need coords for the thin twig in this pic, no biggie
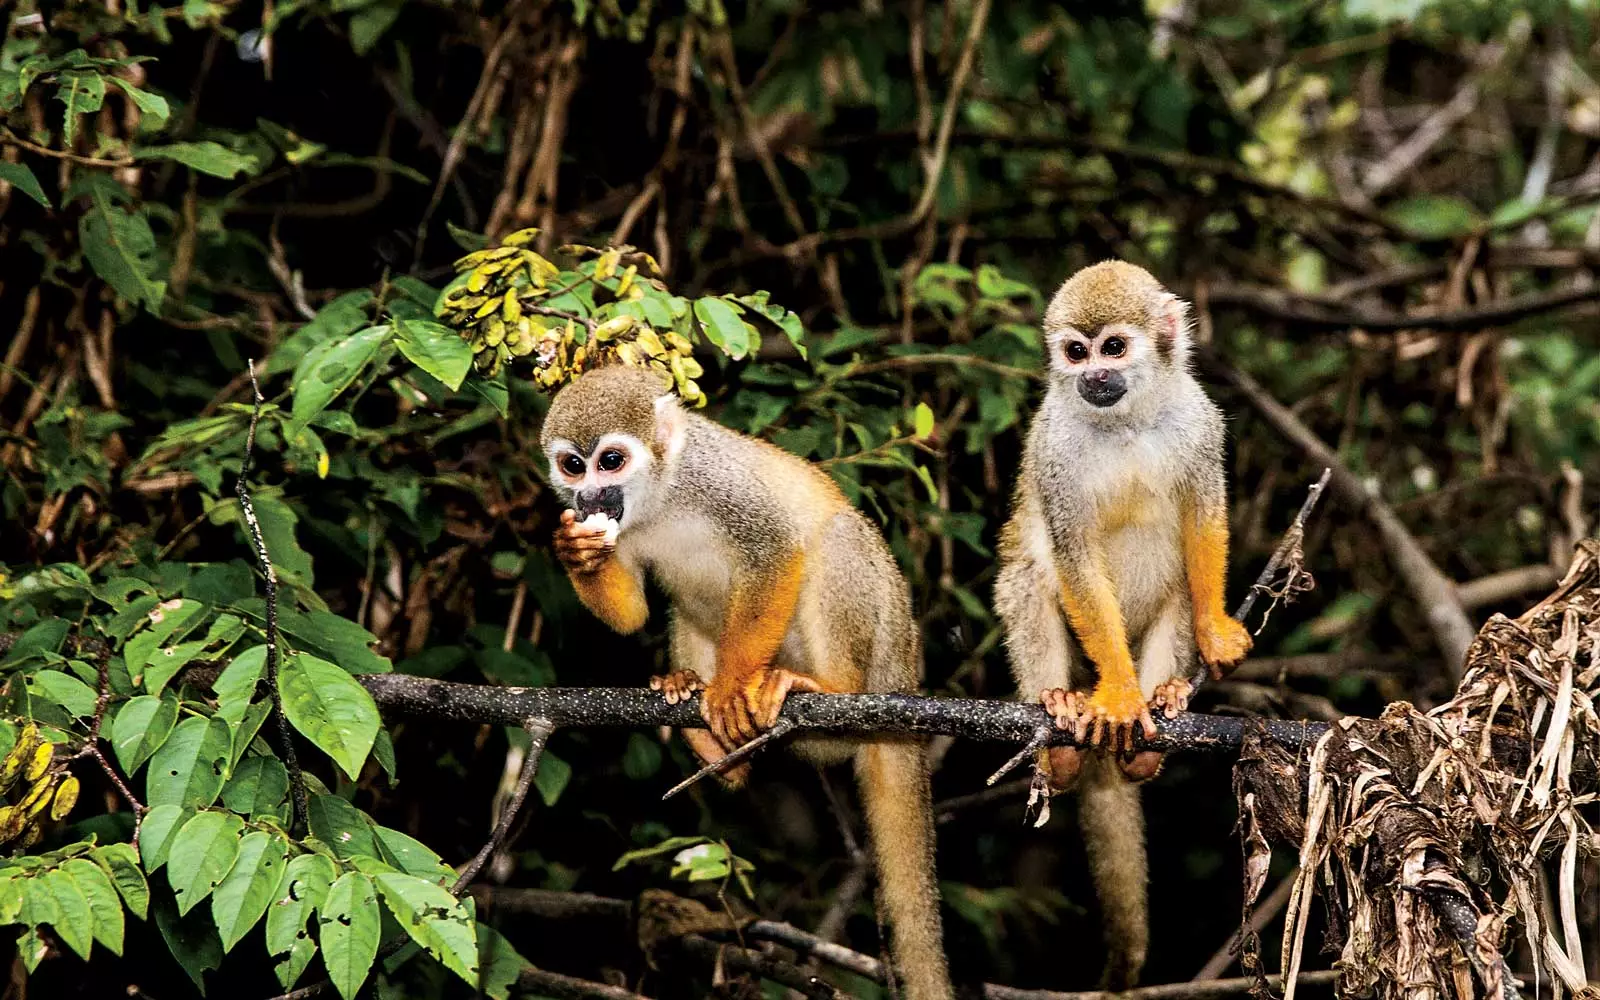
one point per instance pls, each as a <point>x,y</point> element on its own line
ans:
<point>1291,540</point>
<point>538,731</point>
<point>783,728</point>
<point>291,760</point>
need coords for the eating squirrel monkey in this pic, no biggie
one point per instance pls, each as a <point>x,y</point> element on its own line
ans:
<point>1116,553</point>
<point>775,583</point>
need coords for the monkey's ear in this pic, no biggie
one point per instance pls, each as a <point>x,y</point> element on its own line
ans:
<point>1173,323</point>
<point>669,426</point>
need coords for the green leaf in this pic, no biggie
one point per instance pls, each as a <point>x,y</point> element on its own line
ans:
<point>328,370</point>
<point>192,941</point>
<point>83,93</point>
<point>202,853</point>
<point>922,419</point>
<point>121,248</point>
<point>160,826</point>
<point>207,157</point>
<point>302,886</point>
<point>435,920</point>
<point>258,789</point>
<point>75,924</point>
<point>723,327</point>
<point>191,765</point>
<point>105,910</point>
<point>121,863</point>
<point>642,758</point>
<point>994,285</point>
<point>493,391</point>
<point>63,689</point>
<point>150,105</point>
<point>167,619</point>
<point>294,964</point>
<point>331,709</point>
<point>500,962</point>
<point>243,896</point>
<point>436,349</point>
<point>552,777</point>
<point>411,856</point>
<point>140,728</point>
<point>20,177</point>
<point>368,25</point>
<point>343,827</point>
<point>1436,216</point>
<point>235,687</point>
<point>348,925</point>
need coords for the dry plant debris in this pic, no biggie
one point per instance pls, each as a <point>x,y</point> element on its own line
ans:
<point>1428,835</point>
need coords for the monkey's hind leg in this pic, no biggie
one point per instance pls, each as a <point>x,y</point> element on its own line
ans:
<point>1163,653</point>
<point>693,661</point>
<point>893,777</point>
<point>1042,654</point>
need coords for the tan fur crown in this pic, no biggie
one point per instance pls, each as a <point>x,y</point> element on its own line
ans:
<point>615,398</point>
<point>1112,291</point>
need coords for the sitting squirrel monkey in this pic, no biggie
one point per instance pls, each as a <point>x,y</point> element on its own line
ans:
<point>1116,552</point>
<point>776,584</point>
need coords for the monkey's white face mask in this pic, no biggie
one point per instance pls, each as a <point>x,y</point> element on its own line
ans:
<point>609,481</point>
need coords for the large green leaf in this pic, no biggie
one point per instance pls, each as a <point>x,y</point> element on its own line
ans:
<point>120,246</point>
<point>20,177</point>
<point>235,687</point>
<point>191,765</point>
<point>436,349</point>
<point>203,852</point>
<point>302,886</point>
<point>501,964</point>
<point>243,896</point>
<point>348,924</point>
<point>1436,216</point>
<point>83,93</point>
<point>343,827</point>
<point>723,326</point>
<point>105,910</point>
<point>207,157</point>
<point>331,709</point>
<point>258,788</point>
<point>192,941</point>
<point>75,925</point>
<point>120,862</point>
<point>63,689</point>
<point>140,728</point>
<point>160,826</point>
<point>153,106</point>
<point>328,369</point>
<point>435,919</point>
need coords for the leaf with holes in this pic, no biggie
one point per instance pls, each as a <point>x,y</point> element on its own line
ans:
<point>83,93</point>
<point>120,245</point>
<point>348,922</point>
<point>120,862</point>
<point>435,919</point>
<point>302,886</point>
<point>191,766</point>
<point>331,709</point>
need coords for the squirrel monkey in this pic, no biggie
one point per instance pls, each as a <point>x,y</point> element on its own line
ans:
<point>1116,552</point>
<point>776,584</point>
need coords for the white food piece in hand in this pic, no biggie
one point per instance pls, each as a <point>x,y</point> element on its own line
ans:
<point>601,521</point>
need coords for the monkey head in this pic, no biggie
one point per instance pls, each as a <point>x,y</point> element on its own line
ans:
<point>610,436</point>
<point>1115,338</point>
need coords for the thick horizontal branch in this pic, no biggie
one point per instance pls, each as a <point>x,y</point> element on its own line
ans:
<point>984,720</point>
<point>1306,311</point>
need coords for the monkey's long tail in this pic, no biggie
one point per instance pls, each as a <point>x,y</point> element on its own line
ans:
<point>895,792</point>
<point>1112,821</point>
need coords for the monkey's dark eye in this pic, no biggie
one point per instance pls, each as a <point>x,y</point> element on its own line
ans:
<point>1077,351</point>
<point>572,465</point>
<point>1113,347</point>
<point>611,460</point>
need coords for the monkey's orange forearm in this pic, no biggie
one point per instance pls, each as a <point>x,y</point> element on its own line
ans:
<point>757,620</point>
<point>614,596</point>
<point>1205,558</point>
<point>1096,619</point>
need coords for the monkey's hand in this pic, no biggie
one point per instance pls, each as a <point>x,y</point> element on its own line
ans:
<point>677,686</point>
<point>581,550</point>
<point>1172,697</point>
<point>1223,642</point>
<point>738,706</point>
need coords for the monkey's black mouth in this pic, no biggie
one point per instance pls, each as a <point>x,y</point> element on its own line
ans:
<point>606,500</point>
<point>1102,388</point>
